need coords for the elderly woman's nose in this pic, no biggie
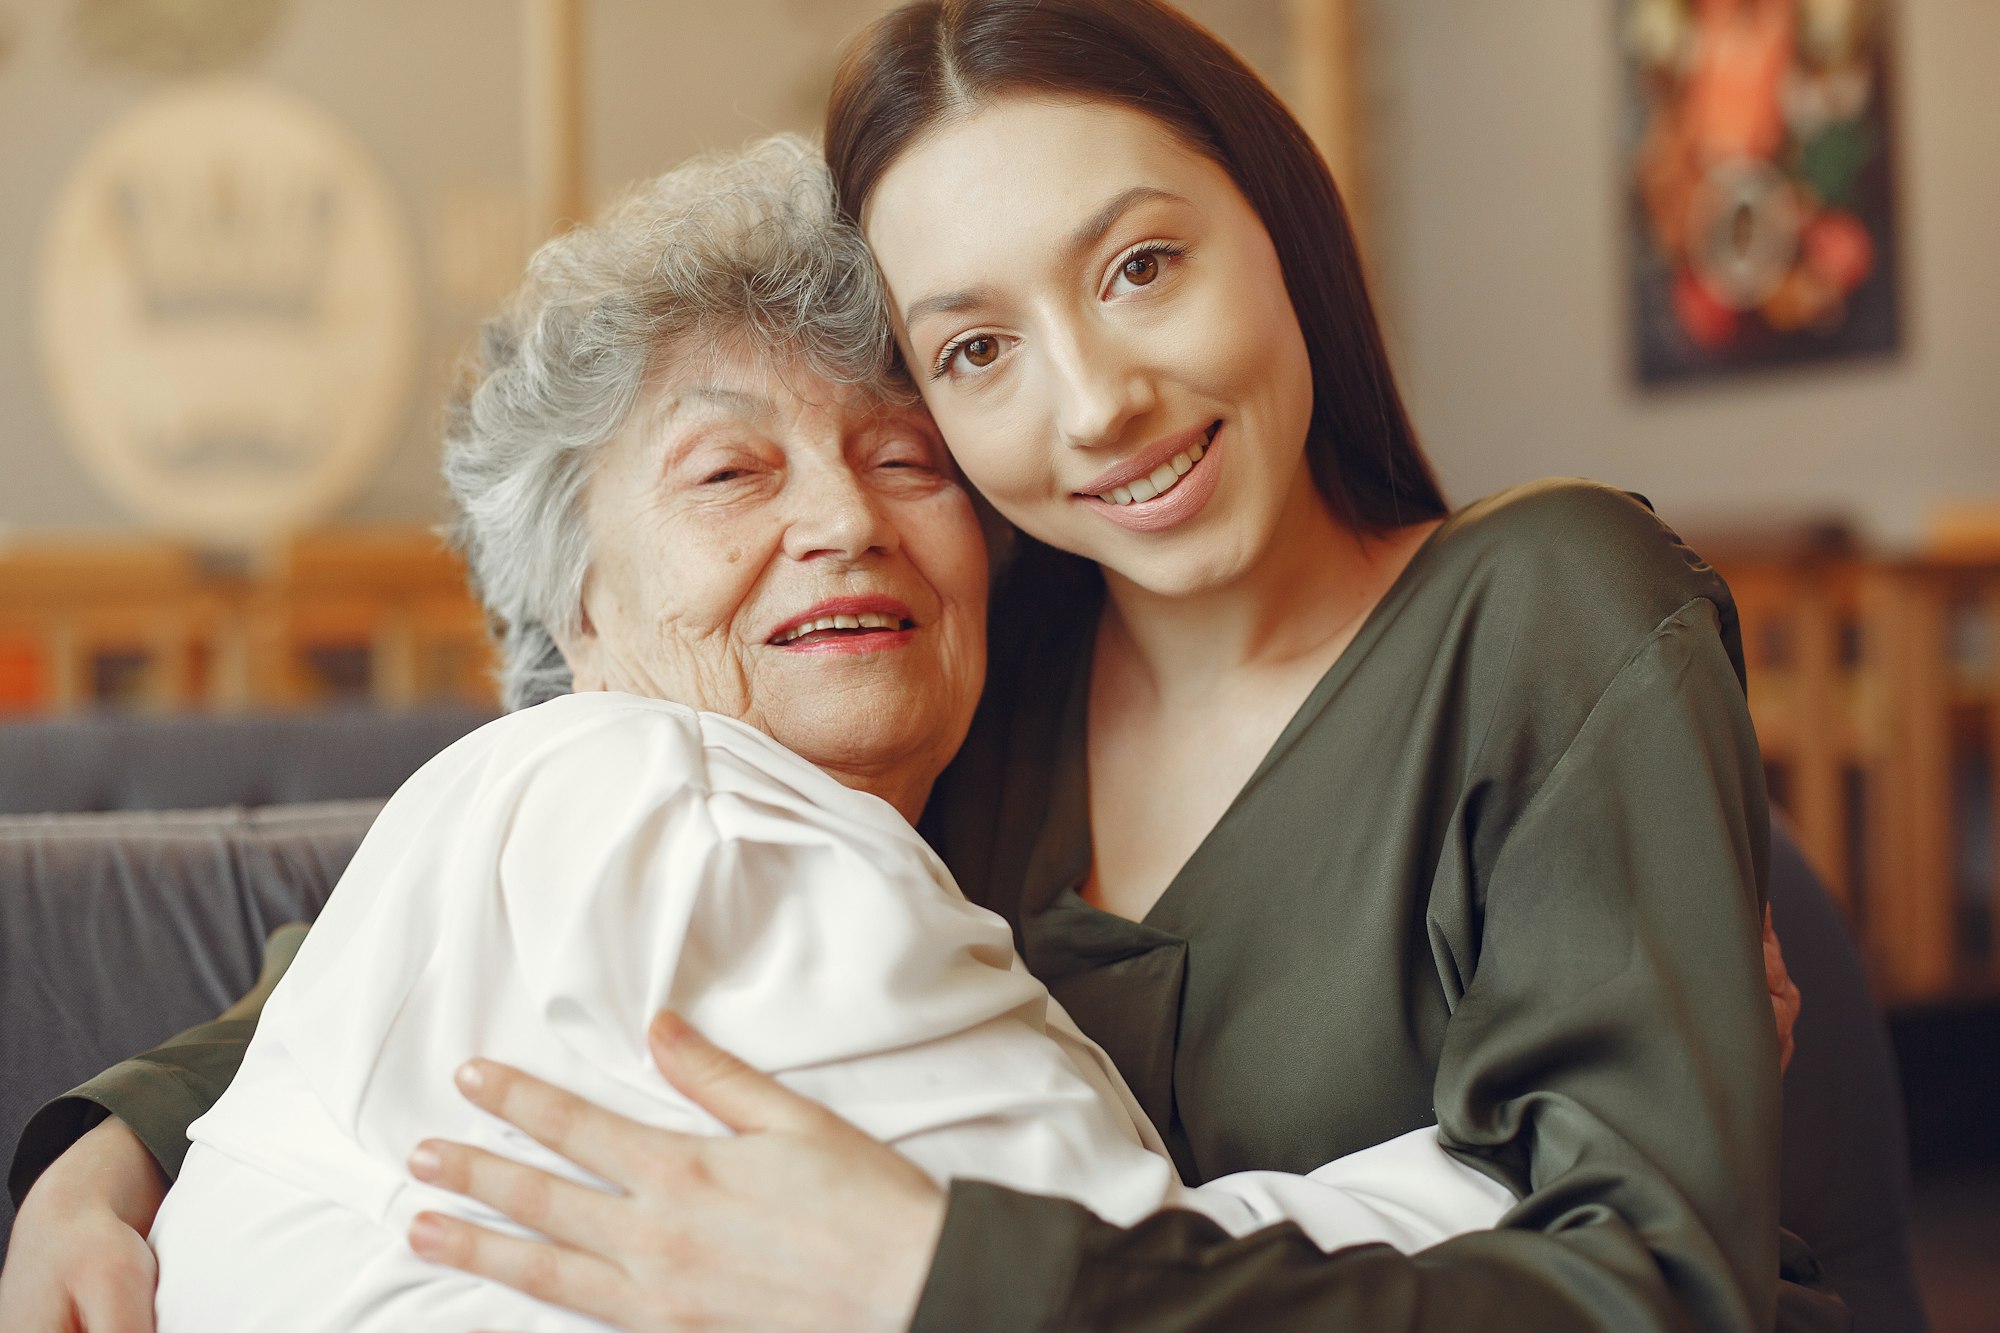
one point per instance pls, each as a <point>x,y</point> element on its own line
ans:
<point>1100,385</point>
<point>833,511</point>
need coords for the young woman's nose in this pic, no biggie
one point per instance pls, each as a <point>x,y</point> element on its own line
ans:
<point>1100,384</point>
<point>834,512</point>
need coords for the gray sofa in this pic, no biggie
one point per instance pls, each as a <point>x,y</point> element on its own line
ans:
<point>108,761</point>
<point>119,930</point>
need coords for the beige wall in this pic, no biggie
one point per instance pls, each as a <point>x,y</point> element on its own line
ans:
<point>1496,240</point>
<point>1499,246</point>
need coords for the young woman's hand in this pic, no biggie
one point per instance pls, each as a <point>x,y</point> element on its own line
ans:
<point>78,1261</point>
<point>1785,1000</point>
<point>799,1221</point>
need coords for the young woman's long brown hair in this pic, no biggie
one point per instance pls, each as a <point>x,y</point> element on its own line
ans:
<point>930,60</point>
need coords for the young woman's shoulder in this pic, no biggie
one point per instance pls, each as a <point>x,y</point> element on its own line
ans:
<point>1572,546</point>
<point>1572,574</point>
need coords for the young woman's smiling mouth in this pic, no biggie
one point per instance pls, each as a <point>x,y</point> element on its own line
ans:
<point>1160,487</point>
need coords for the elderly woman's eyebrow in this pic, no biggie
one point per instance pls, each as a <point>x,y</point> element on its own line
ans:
<point>750,406</point>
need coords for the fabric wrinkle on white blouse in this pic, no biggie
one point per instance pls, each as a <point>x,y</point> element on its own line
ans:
<point>539,891</point>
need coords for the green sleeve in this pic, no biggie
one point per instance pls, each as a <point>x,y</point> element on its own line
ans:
<point>1612,1057</point>
<point>160,1093</point>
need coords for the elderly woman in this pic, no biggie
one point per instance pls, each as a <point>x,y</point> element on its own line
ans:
<point>745,595</point>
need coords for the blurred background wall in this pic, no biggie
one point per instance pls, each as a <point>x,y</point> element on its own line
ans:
<point>1494,226</point>
<point>1498,238</point>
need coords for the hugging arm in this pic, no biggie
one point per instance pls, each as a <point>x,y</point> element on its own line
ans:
<point>1610,1056</point>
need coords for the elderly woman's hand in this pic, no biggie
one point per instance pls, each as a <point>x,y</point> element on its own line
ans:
<point>800,1221</point>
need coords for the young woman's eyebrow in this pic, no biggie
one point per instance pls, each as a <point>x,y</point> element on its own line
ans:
<point>1085,238</point>
<point>1080,243</point>
<point>946,303</point>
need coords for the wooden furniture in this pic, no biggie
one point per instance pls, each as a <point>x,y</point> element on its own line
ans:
<point>1875,685</point>
<point>382,616</point>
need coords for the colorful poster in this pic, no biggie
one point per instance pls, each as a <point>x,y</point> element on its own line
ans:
<point>1761,184</point>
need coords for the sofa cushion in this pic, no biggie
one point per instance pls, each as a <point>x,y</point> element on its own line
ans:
<point>119,930</point>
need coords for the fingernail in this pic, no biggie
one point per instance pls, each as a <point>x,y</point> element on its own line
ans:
<point>427,1235</point>
<point>469,1076</point>
<point>425,1163</point>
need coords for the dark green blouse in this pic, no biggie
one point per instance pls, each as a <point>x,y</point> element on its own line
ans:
<point>1502,873</point>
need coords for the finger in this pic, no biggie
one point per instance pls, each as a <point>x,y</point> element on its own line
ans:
<point>747,1100</point>
<point>600,1141</point>
<point>577,1215</point>
<point>559,1275</point>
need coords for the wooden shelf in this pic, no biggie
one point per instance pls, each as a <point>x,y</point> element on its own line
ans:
<point>382,615</point>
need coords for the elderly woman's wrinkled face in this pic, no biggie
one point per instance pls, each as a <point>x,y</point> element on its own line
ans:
<point>793,553</point>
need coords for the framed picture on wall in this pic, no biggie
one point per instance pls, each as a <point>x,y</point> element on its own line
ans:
<point>1760,182</point>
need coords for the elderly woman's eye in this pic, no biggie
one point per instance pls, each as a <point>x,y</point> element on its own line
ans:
<point>721,475</point>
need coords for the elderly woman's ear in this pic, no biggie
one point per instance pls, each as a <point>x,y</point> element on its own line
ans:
<point>583,651</point>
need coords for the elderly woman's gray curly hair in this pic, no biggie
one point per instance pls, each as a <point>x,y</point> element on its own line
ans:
<point>746,244</point>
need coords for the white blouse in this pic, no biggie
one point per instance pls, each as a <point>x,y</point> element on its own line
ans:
<point>536,894</point>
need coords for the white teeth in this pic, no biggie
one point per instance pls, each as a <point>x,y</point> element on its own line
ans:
<point>863,620</point>
<point>1163,478</point>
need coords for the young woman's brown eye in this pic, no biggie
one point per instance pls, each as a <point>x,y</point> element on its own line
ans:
<point>1141,269</point>
<point>979,351</point>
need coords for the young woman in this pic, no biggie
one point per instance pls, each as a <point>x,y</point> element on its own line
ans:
<point>1328,814</point>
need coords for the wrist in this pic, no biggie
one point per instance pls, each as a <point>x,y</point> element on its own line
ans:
<point>109,1169</point>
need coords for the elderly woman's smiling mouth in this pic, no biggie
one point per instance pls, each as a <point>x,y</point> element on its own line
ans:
<point>848,625</point>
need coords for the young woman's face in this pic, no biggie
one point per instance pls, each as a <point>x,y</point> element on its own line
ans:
<point>1099,323</point>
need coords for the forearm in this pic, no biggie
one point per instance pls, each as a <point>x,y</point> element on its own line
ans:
<point>1008,1261</point>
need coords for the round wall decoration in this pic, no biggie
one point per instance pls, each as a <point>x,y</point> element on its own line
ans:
<point>227,312</point>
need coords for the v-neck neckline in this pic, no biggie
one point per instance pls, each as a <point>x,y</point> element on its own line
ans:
<point>1065,861</point>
